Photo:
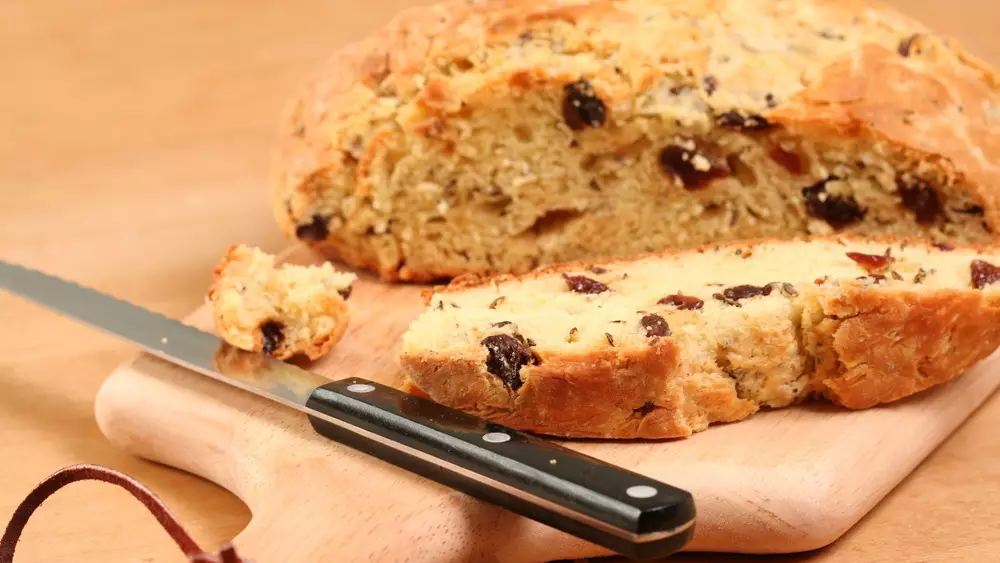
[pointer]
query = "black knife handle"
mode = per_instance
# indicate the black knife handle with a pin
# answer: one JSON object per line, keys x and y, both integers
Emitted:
{"x": 623, "y": 511}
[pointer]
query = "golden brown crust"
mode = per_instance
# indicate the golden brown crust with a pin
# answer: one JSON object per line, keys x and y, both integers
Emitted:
{"x": 876, "y": 348}
{"x": 608, "y": 394}
{"x": 866, "y": 95}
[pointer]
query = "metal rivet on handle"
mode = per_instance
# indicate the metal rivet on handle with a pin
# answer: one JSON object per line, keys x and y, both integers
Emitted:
{"x": 360, "y": 388}
{"x": 641, "y": 491}
{"x": 496, "y": 437}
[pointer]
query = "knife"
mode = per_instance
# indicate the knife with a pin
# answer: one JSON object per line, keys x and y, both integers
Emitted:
{"x": 622, "y": 511}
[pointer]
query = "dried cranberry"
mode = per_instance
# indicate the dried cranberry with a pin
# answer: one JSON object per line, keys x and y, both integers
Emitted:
{"x": 581, "y": 107}
{"x": 790, "y": 161}
{"x": 984, "y": 274}
{"x": 695, "y": 168}
{"x": 273, "y": 333}
{"x": 655, "y": 325}
{"x": 838, "y": 211}
{"x": 506, "y": 356}
{"x": 743, "y": 122}
{"x": 919, "y": 197}
{"x": 316, "y": 230}
{"x": 583, "y": 284}
{"x": 871, "y": 262}
{"x": 682, "y": 302}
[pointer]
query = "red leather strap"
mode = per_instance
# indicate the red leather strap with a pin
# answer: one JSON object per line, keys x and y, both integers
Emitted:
{"x": 74, "y": 473}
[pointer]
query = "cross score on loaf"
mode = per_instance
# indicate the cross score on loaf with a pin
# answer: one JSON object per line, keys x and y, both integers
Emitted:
{"x": 484, "y": 136}
{"x": 664, "y": 345}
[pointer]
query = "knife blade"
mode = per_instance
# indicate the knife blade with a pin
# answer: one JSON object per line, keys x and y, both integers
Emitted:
{"x": 620, "y": 510}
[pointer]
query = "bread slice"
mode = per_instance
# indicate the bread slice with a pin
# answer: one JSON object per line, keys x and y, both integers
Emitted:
{"x": 500, "y": 135}
{"x": 280, "y": 311}
{"x": 663, "y": 345}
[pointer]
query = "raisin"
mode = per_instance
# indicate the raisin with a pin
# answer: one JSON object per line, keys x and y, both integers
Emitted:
{"x": 743, "y": 122}
{"x": 838, "y": 211}
{"x": 682, "y": 302}
{"x": 496, "y": 302}
{"x": 581, "y": 107}
{"x": 710, "y": 84}
{"x": 984, "y": 274}
{"x": 972, "y": 210}
{"x": 598, "y": 270}
{"x": 611, "y": 339}
{"x": 273, "y": 333}
{"x": 790, "y": 161}
{"x": 655, "y": 325}
{"x": 921, "y": 276}
{"x": 906, "y": 45}
{"x": 583, "y": 284}
{"x": 346, "y": 292}
{"x": 944, "y": 246}
{"x": 871, "y": 262}
{"x": 731, "y": 295}
{"x": 316, "y": 230}
{"x": 506, "y": 356}
{"x": 918, "y": 196}
{"x": 694, "y": 168}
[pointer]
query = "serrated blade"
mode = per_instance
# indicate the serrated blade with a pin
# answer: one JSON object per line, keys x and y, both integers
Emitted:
{"x": 166, "y": 338}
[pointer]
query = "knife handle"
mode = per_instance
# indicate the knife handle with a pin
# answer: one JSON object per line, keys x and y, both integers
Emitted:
{"x": 615, "y": 508}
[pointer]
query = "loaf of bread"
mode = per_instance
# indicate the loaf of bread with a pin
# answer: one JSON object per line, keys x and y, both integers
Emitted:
{"x": 280, "y": 311}
{"x": 664, "y": 345}
{"x": 499, "y": 135}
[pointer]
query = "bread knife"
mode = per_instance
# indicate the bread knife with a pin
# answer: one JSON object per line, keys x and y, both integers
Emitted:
{"x": 620, "y": 510}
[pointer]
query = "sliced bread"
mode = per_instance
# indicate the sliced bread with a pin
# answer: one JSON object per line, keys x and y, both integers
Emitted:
{"x": 664, "y": 345}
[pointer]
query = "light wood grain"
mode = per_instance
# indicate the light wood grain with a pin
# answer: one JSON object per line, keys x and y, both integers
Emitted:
{"x": 783, "y": 481}
{"x": 134, "y": 147}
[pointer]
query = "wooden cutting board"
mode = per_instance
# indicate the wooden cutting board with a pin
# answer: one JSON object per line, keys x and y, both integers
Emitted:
{"x": 783, "y": 481}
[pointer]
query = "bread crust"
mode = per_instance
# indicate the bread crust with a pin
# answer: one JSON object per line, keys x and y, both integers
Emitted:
{"x": 868, "y": 95}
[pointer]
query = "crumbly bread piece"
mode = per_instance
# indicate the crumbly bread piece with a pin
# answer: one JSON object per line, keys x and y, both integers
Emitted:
{"x": 664, "y": 345}
{"x": 281, "y": 311}
{"x": 495, "y": 136}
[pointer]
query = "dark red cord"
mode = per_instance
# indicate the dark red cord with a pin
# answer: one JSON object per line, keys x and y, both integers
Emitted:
{"x": 75, "y": 473}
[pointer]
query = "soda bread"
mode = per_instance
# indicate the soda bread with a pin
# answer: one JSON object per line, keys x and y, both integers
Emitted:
{"x": 496, "y": 136}
{"x": 663, "y": 345}
{"x": 280, "y": 311}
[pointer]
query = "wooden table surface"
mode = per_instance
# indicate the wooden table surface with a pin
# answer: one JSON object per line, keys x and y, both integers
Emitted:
{"x": 134, "y": 147}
